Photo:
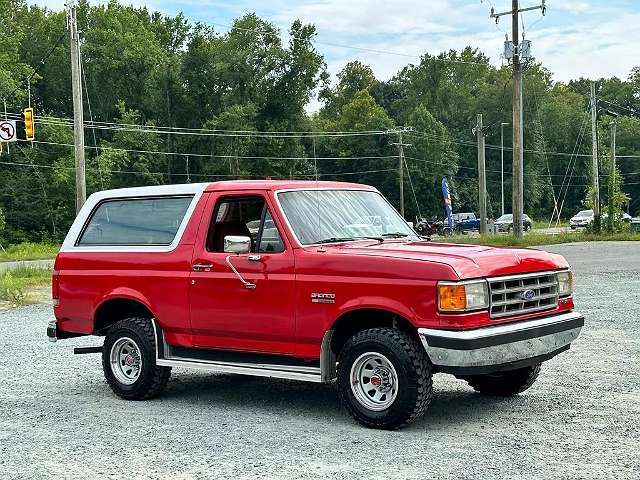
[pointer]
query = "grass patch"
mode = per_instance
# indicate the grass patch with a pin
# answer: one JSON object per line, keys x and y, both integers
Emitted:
{"x": 544, "y": 223}
{"x": 29, "y": 251}
{"x": 17, "y": 285}
{"x": 534, "y": 238}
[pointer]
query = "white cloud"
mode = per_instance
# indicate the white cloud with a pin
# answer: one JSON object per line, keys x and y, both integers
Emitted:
{"x": 576, "y": 38}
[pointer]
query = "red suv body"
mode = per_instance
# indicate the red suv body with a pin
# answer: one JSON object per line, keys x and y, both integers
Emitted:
{"x": 291, "y": 279}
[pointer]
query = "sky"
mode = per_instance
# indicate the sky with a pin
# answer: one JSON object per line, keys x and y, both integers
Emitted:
{"x": 576, "y": 38}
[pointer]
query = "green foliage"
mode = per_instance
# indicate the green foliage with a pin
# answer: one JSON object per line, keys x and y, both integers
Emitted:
{"x": 29, "y": 251}
{"x": 146, "y": 69}
{"x": 17, "y": 285}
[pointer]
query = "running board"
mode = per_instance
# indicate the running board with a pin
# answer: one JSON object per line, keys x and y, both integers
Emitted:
{"x": 256, "y": 370}
{"x": 166, "y": 358}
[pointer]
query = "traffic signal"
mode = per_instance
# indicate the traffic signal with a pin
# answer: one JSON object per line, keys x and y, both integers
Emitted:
{"x": 28, "y": 123}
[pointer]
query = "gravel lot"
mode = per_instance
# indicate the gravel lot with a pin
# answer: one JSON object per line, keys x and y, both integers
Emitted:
{"x": 58, "y": 418}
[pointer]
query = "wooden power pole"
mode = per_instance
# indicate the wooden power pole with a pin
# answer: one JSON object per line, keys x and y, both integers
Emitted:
{"x": 594, "y": 142}
{"x": 401, "y": 172}
{"x": 78, "y": 119}
{"x": 518, "y": 51}
{"x": 482, "y": 178}
{"x": 518, "y": 134}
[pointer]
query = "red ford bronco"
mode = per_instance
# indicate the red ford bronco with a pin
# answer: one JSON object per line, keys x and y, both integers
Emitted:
{"x": 315, "y": 281}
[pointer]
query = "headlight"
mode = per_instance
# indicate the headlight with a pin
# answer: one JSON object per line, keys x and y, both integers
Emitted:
{"x": 462, "y": 296}
{"x": 565, "y": 283}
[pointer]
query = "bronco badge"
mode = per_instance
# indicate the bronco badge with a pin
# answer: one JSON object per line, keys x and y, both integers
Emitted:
{"x": 323, "y": 297}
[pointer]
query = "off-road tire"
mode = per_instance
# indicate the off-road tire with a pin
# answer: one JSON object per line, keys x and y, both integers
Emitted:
{"x": 152, "y": 379}
{"x": 505, "y": 384}
{"x": 412, "y": 367}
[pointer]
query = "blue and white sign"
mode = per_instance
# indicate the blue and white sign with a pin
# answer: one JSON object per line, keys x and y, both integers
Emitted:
{"x": 447, "y": 201}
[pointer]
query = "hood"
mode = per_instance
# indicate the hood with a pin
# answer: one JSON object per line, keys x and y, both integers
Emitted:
{"x": 468, "y": 261}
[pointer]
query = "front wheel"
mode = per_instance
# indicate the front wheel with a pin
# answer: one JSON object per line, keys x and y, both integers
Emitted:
{"x": 129, "y": 362}
{"x": 505, "y": 384}
{"x": 384, "y": 378}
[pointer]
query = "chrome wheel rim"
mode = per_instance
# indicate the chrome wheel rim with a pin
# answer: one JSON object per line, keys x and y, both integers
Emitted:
{"x": 374, "y": 381}
{"x": 126, "y": 361}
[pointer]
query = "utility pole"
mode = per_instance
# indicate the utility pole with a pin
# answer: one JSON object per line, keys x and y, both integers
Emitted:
{"x": 518, "y": 51}
{"x": 502, "y": 165}
{"x": 401, "y": 173}
{"x": 4, "y": 101}
{"x": 78, "y": 120}
{"x": 594, "y": 142}
{"x": 518, "y": 134}
{"x": 612, "y": 177}
{"x": 401, "y": 146}
{"x": 482, "y": 178}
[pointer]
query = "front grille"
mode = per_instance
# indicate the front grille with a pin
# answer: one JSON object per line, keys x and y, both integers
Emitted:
{"x": 508, "y": 296}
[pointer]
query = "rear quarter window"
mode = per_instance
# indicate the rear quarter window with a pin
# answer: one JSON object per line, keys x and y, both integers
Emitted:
{"x": 140, "y": 221}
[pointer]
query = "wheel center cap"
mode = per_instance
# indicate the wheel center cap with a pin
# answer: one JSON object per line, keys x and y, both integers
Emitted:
{"x": 383, "y": 380}
{"x": 128, "y": 360}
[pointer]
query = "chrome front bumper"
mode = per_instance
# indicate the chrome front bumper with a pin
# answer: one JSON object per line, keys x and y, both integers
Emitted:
{"x": 500, "y": 347}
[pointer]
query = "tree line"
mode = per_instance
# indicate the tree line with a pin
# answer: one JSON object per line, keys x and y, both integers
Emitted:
{"x": 170, "y": 101}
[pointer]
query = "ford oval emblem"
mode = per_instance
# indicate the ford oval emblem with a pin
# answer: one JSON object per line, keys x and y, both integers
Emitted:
{"x": 528, "y": 295}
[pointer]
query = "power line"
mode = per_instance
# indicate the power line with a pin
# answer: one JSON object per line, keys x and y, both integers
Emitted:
{"x": 212, "y": 175}
{"x": 206, "y": 155}
{"x": 199, "y": 131}
{"x": 281, "y": 134}
{"x": 256, "y": 157}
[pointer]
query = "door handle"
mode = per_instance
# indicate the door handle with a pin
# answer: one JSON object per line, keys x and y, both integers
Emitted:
{"x": 198, "y": 267}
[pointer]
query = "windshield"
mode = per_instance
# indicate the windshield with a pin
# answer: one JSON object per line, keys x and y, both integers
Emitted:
{"x": 505, "y": 218}
{"x": 318, "y": 216}
{"x": 585, "y": 213}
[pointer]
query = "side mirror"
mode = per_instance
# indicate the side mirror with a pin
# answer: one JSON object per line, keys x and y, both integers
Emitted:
{"x": 237, "y": 244}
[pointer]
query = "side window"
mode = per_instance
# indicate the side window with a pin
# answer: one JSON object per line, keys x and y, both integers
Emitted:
{"x": 245, "y": 216}
{"x": 140, "y": 221}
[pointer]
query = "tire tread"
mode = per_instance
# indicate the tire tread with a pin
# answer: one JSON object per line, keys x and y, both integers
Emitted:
{"x": 159, "y": 375}
{"x": 419, "y": 363}
{"x": 507, "y": 383}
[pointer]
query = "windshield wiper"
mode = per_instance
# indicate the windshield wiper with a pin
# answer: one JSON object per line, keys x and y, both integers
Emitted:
{"x": 349, "y": 239}
{"x": 395, "y": 235}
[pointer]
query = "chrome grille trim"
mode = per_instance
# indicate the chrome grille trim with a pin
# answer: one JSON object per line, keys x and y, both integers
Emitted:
{"x": 506, "y": 294}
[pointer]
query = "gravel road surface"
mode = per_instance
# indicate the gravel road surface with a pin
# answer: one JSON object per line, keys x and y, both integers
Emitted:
{"x": 58, "y": 418}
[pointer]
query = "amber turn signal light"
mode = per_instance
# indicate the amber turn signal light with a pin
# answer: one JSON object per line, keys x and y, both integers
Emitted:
{"x": 451, "y": 298}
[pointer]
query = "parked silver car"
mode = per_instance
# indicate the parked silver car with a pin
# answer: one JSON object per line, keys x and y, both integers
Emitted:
{"x": 505, "y": 222}
{"x": 582, "y": 219}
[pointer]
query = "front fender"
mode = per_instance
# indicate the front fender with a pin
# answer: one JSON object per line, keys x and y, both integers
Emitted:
{"x": 375, "y": 303}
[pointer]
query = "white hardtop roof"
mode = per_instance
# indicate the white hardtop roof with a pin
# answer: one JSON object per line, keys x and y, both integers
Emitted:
{"x": 154, "y": 190}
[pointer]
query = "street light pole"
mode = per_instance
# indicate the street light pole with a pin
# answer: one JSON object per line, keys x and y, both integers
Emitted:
{"x": 502, "y": 163}
{"x": 612, "y": 178}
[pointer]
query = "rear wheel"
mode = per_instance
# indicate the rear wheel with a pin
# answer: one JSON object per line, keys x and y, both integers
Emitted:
{"x": 384, "y": 378}
{"x": 129, "y": 360}
{"x": 506, "y": 383}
